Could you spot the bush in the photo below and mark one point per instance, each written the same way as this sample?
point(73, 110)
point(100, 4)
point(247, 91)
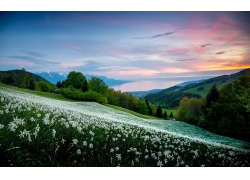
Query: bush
point(89, 95)
point(42, 86)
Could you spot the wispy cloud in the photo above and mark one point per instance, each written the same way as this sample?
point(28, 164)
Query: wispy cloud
point(155, 36)
point(221, 52)
point(186, 59)
point(32, 53)
point(139, 57)
point(34, 60)
point(204, 45)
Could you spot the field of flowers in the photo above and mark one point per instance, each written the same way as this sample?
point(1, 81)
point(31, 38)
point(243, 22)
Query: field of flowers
point(38, 131)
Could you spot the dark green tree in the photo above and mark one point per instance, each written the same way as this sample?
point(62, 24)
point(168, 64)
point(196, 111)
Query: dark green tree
point(165, 115)
point(98, 85)
point(32, 85)
point(171, 115)
point(76, 80)
point(212, 96)
point(150, 112)
point(59, 84)
point(159, 112)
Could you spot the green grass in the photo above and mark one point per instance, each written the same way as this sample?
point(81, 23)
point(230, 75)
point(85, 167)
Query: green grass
point(34, 134)
point(206, 89)
point(132, 112)
point(40, 93)
point(169, 111)
point(63, 98)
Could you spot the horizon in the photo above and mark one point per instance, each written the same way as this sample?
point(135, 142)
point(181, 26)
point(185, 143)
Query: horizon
point(136, 46)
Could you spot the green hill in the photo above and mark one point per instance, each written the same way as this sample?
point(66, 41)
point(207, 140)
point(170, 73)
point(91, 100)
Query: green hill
point(35, 77)
point(39, 131)
point(170, 97)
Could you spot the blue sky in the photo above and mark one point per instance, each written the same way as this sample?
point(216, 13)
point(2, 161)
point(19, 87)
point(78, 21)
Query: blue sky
point(126, 45)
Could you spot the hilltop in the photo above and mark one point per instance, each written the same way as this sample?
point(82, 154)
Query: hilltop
point(170, 97)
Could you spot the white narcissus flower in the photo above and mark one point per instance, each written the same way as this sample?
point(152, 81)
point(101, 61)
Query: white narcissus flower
point(78, 151)
point(159, 163)
point(119, 157)
point(75, 141)
point(84, 143)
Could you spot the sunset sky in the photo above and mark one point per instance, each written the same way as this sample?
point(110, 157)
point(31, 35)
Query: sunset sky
point(126, 45)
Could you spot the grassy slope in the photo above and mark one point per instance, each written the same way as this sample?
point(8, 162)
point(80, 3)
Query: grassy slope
point(63, 98)
point(206, 89)
point(132, 112)
point(169, 111)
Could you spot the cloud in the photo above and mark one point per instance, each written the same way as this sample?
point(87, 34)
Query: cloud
point(139, 57)
point(221, 52)
point(155, 36)
point(186, 59)
point(32, 53)
point(34, 60)
point(204, 45)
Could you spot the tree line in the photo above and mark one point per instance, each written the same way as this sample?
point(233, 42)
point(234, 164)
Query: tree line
point(24, 79)
point(225, 111)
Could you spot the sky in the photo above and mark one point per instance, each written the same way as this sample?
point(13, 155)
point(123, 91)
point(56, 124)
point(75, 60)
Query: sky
point(131, 45)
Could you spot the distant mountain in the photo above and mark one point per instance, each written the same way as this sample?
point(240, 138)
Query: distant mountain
point(141, 94)
point(54, 77)
point(171, 97)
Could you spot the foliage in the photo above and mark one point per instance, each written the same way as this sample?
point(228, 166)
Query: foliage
point(224, 111)
point(165, 116)
point(77, 80)
point(77, 94)
point(158, 111)
point(128, 101)
point(169, 99)
point(98, 85)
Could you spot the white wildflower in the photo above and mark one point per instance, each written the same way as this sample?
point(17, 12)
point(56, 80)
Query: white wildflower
point(75, 141)
point(38, 115)
point(1, 126)
point(117, 148)
point(90, 146)
point(32, 119)
point(159, 163)
point(118, 156)
point(91, 133)
point(111, 150)
point(146, 157)
point(53, 133)
point(84, 143)
point(78, 151)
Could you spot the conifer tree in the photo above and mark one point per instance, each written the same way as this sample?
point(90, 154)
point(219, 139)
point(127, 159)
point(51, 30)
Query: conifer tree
point(212, 96)
point(165, 116)
point(171, 115)
point(150, 112)
point(159, 112)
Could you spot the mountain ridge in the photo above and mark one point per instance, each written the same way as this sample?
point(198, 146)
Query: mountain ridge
point(54, 77)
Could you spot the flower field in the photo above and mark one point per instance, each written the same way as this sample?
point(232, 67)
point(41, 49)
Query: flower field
point(38, 131)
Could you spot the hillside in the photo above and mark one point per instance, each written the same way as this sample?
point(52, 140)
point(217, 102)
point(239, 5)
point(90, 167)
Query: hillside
point(141, 94)
point(47, 132)
point(35, 77)
point(200, 89)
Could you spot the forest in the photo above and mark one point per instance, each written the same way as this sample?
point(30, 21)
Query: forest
point(225, 111)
